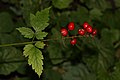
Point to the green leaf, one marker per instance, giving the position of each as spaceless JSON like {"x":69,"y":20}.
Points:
{"x":110,"y":36}
{"x":39,"y":21}
{"x":22,"y":69}
{"x":110,"y":19}
{"x":77,"y":72}
{"x":7,"y":38}
{"x":82,"y":15}
{"x":95,"y":13}
{"x":34,"y":58}
{"x":40,"y":35}
{"x":6,"y":23}
{"x":116,"y":72}
{"x":26,"y":32}
{"x":117,"y":2}
{"x":101,"y":61}
{"x":100,"y":4}
{"x":55,"y":53}
{"x":10,"y":60}
{"x":40,"y":44}
{"x":26,"y":9}
{"x":52,"y":75}
{"x":61,"y":3}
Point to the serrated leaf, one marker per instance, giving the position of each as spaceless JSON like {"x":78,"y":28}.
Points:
{"x":10,"y":60}
{"x":26,"y":32}
{"x":40,"y":44}
{"x":61,"y":3}
{"x":39,"y":21}
{"x":41,"y":35}
{"x":34,"y":58}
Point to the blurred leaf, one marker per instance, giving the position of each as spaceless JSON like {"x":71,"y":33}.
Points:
{"x":110,"y":36}
{"x":55,"y":53}
{"x":22,"y":68}
{"x":82,"y":15}
{"x":100,"y":4}
{"x":77,"y":72}
{"x":115,"y":74}
{"x":95,"y":13}
{"x":10,"y":60}
{"x":52,"y":75}
{"x":6,"y":39}
{"x":54,"y":48}
{"x":6,"y":24}
{"x":26,"y":11}
{"x":110,"y":19}
{"x":40,"y":44}
{"x":34,"y":58}
{"x":117,"y":3}
{"x":26,"y":32}
{"x":61,"y":3}
{"x":101,"y":61}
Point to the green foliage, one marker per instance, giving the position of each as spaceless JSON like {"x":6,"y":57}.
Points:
{"x":27,"y":32}
{"x":34,"y":58}
{"x":40,"y":21}
{"x":40,"y":45}
{"x":78,"y":72}
{"x":95,"y":13}
{"x":6,"y":18}
{"x":52,"y":74}
{"x":61,"y":3}
{"x":40,"y":35}
{"x":9,"y":60}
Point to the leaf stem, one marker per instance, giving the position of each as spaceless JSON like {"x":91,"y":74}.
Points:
{"x":23,"y":43}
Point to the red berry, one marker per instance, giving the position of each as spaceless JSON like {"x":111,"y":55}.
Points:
{"x":85,"y":25}
{"x":89,"y":29}
{"x":94,"y":32}
{"x":73,"y":41}
{"x":64,"y":32}
{"x":81,"y":32}
{"x":71,"y":26}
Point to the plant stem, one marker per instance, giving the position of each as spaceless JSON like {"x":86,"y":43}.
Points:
{"x":23,"y":43}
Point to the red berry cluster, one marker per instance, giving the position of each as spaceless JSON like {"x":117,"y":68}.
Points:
{"x":86,"y":29}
